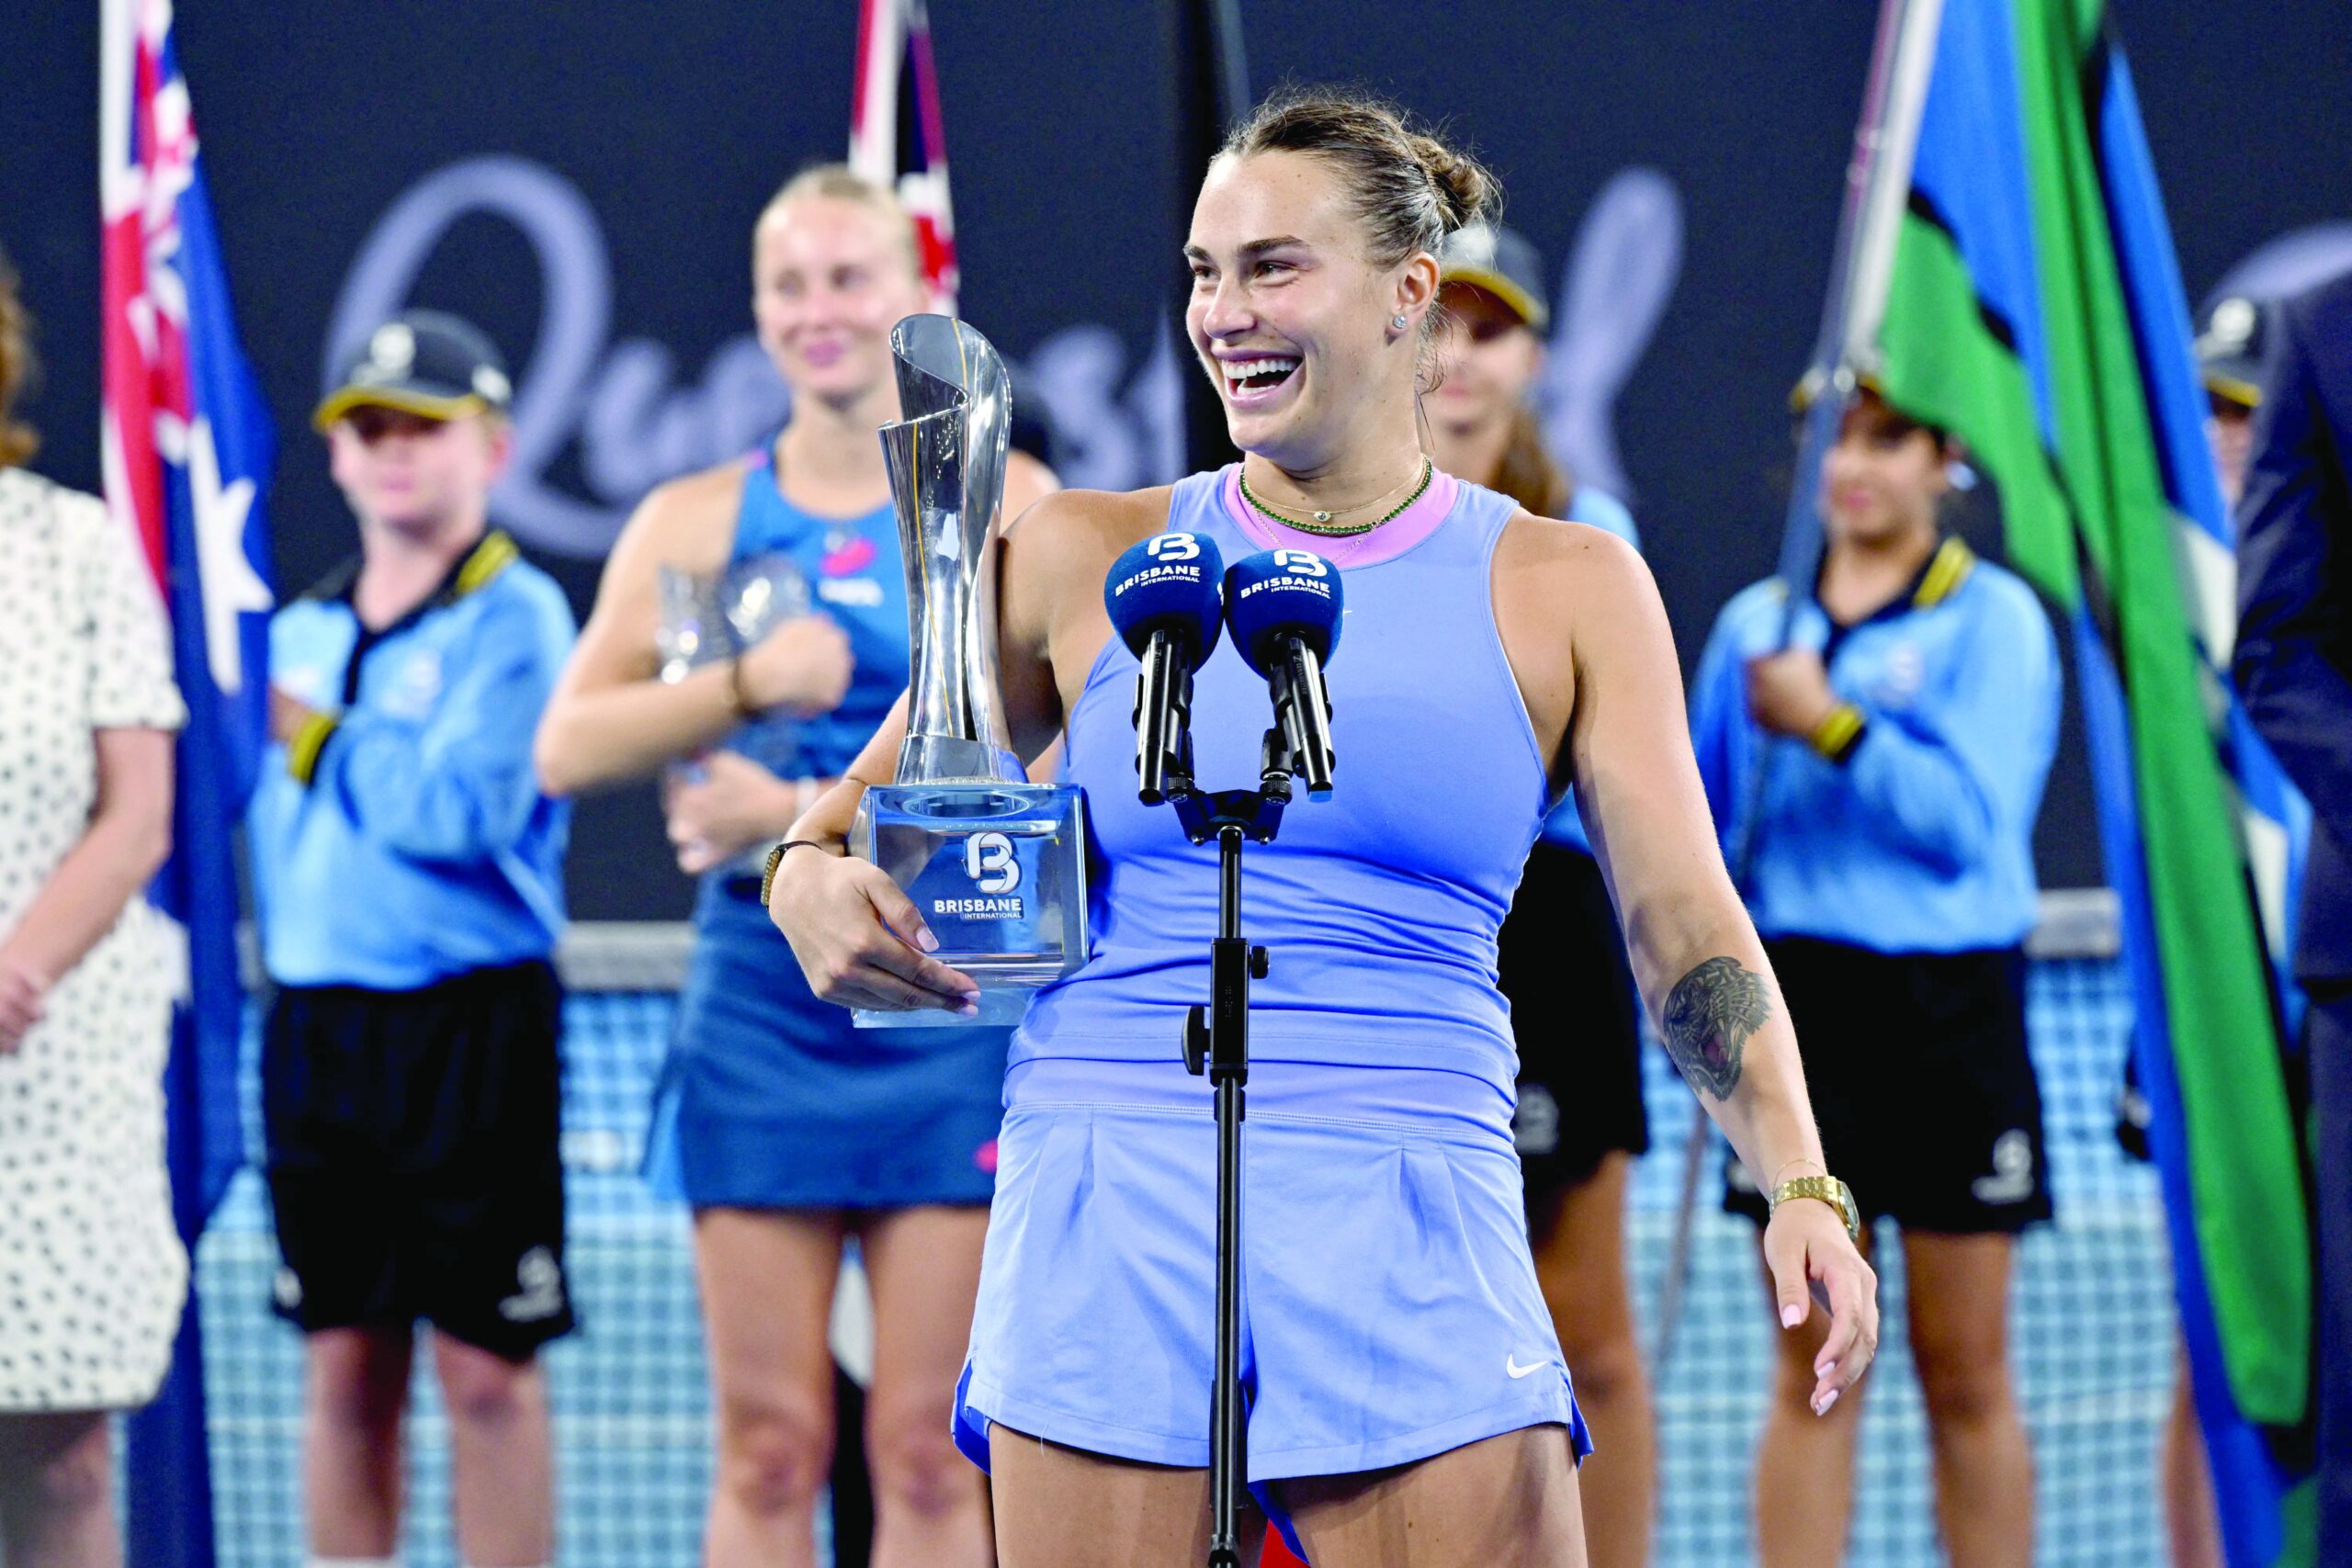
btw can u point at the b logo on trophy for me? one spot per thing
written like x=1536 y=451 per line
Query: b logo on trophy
x=997 y=865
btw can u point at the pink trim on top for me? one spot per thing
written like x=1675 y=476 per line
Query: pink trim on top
x=1388 y=541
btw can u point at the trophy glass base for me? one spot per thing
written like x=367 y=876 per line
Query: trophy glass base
x=1001 y=1008
x=999 y=871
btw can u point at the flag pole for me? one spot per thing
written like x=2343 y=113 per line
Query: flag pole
x=1878 y=184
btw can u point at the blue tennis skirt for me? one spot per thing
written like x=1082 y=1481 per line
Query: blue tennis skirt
x=770 y=1098
x=1390 y=1306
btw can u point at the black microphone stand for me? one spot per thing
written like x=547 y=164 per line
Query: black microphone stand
x=1217 y=1041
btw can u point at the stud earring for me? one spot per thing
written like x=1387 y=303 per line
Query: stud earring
x=1397 y=322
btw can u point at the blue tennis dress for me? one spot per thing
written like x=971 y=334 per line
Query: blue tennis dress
x=769 y=1098
x=1390 y=1310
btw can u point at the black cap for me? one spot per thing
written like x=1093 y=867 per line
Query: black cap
x=1504 y=263
x=2230 y=342
x=421 y=362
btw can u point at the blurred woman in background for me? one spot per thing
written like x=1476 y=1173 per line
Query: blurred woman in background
x=92 y=1273
x=1875 y=756
x=1574 y=1010
x=787 y=1130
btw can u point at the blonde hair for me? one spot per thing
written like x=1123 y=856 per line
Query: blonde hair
x=17 y=441
x=839 y=182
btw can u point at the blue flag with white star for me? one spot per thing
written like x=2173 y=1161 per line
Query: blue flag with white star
x=188 y=442
x=187 y=445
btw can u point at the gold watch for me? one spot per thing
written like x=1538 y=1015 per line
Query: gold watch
x=1829 y=1190
x=776 y=859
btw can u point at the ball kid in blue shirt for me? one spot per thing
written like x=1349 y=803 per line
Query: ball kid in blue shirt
x=407 y=869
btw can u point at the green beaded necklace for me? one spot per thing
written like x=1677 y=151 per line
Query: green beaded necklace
x=1322 y=523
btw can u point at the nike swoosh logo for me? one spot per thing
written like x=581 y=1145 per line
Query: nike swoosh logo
x=1510 y=1365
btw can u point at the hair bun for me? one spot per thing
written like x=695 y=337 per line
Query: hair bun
x=1465 y=187
x=1409 y=189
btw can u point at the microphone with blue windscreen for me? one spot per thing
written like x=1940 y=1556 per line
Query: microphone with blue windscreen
x=1284 y=608
x=1164 y=598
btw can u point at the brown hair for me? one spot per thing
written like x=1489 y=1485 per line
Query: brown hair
x=17 y=441
x=839 y=182
x=1527 y=473
x=1410 y=188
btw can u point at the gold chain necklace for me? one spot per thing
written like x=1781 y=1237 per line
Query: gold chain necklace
x=1323 y=518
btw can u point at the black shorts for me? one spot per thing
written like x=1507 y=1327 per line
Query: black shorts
x=1921 y=1083
x=1573 y=1010
x=412 y=1157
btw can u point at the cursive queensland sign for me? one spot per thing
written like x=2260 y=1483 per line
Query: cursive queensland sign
x=621 y=410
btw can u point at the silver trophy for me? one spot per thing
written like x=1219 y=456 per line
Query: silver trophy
x=996 y=864
x=704 y=618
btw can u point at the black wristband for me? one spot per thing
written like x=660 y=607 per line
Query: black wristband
x=776 y=859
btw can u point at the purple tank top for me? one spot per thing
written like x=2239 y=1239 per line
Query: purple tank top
x=1381 y=905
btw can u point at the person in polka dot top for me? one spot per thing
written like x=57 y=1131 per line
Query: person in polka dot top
x=92 y=1273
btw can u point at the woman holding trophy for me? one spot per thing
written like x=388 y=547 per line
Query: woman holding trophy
x=1407 y=1404
x=788 y=1132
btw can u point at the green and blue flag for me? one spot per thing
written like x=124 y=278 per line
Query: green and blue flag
x=2035 y=308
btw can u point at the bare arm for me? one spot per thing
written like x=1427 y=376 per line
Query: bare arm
x=1608 y=687
x=612 y=717
x=1625 y=742
x=129 y=835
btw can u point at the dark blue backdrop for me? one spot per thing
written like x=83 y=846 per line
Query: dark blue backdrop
x=580 y=178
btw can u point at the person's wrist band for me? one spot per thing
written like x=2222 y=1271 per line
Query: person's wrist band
x=776 y=859
x=1819 y=1170
x=1836 y=736
x=302 y=752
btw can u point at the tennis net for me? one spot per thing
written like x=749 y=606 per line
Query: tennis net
x=2093 y=1325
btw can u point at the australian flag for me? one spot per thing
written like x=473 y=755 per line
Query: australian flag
x=896 y=136
x=187 y=445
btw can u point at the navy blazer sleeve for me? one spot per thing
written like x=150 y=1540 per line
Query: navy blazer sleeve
x=2294 y=663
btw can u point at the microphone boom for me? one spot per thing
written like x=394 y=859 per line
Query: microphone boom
x=1285 y=607
x=1163 y=720
x=1303 y=709
x=1166 y=600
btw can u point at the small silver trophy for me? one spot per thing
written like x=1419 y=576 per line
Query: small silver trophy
x=704 y=618
x=996 y=864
